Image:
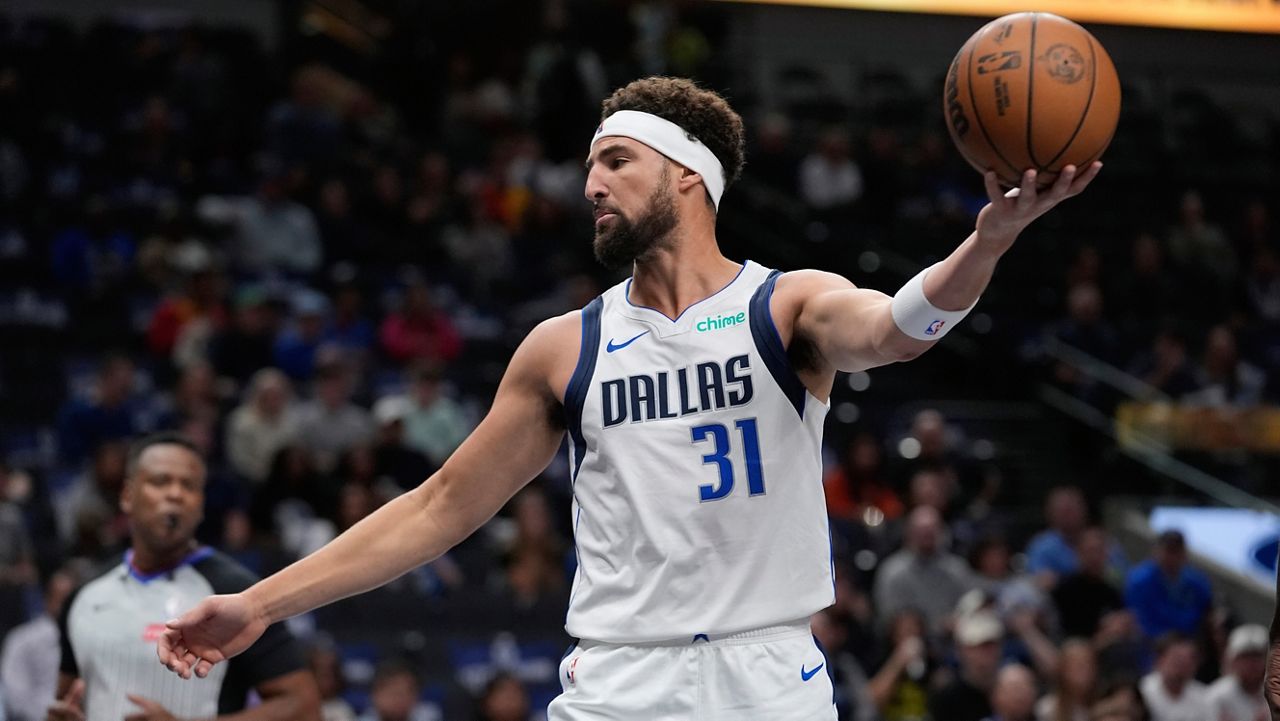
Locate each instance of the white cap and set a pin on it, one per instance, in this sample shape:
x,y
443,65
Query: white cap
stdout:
x,y
1249,638
391,409
978,628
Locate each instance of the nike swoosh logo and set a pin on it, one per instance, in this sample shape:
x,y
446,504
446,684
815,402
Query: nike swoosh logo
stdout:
x,y
806,675
611,346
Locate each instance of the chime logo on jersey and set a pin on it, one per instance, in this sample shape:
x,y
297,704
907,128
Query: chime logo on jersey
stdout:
x,y
720,321
676,393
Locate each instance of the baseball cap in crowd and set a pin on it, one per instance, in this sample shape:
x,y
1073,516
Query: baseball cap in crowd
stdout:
x,y
1249,638
390,409
978,628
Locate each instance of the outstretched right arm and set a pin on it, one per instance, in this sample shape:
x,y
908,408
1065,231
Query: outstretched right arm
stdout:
x,y
515,441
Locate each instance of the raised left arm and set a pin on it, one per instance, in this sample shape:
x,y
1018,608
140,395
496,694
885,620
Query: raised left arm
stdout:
x,y
854,328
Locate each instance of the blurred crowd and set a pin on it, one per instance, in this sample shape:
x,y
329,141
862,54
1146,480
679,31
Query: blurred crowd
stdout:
x,y
315,266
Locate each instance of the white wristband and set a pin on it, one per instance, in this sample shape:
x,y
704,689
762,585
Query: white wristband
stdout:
x,y
917,317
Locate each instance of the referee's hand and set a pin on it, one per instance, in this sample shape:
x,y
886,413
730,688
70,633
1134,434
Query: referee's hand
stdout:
x,y
68,707
218,628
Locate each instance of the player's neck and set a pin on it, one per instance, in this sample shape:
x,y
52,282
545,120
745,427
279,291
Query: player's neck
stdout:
x,y
148,560
674,279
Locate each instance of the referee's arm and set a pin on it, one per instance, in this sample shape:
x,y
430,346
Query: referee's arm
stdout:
x,y
515,441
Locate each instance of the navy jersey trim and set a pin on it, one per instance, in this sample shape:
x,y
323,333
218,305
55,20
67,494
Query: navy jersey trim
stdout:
x,y
626,295
769,344
575,396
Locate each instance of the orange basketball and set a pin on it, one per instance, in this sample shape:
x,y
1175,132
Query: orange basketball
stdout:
x,y
1031,90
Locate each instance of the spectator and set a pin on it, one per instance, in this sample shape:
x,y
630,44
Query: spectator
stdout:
x,y
29,661
111,413
298,343
1073,685
1014,696
1225,379
1051,554
394,696
1165,594
261,426
87,511
271,233
1238,695
967,696
183,323
1122,649
437,425
900,688
1171,691
1146,290
418,330
195,396
857,486
348,328
504,699
1085,596
392,457
17,552
829,178
1119,700
1086,328
330,424
852,698
1200,248
923,572
1166,368
247,345
326,666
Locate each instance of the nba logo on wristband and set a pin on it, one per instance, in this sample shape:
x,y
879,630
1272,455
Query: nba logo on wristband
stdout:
x,y
934,327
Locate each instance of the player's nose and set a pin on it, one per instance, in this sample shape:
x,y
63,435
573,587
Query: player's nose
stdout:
x,y
595,188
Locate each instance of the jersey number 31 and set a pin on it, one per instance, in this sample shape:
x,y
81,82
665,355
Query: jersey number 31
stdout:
x,y
719,435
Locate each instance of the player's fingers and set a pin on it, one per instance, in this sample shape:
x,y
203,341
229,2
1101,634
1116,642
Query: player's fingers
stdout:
x,y
1058,191
1027,190
1083,179
190,659
994,194
204,667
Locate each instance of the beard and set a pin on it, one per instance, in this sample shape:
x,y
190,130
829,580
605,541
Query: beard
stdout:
x,y
621,241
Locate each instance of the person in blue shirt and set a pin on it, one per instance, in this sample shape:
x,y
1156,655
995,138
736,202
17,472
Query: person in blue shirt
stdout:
x,y
1051,554
1165,594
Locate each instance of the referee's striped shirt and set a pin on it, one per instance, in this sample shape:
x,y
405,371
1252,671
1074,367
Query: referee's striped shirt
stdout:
x,y
109,629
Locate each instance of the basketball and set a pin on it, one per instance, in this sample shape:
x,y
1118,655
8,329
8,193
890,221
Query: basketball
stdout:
x,y
1031,90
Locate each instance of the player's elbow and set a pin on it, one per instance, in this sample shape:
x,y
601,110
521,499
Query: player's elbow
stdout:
x,y
901,350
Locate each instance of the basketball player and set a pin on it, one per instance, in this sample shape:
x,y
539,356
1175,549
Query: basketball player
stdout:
x,y
109,626
693,395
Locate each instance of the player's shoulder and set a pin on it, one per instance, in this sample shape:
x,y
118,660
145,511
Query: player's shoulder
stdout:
x,y
223,573
808,281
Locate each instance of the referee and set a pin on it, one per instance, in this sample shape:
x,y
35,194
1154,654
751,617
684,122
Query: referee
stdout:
x,y
110,625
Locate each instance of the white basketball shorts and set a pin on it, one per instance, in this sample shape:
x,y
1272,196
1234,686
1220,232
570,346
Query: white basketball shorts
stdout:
x,y
770,674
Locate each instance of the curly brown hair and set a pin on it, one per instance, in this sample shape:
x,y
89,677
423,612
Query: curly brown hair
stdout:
x,y
703,113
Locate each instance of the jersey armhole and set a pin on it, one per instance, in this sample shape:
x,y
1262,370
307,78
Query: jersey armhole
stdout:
x,y
575,395
769,344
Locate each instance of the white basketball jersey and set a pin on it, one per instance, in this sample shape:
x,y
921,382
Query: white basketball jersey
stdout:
x,y
695,452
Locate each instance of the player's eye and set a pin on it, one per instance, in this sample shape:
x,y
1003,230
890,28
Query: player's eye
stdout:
x,y
616,163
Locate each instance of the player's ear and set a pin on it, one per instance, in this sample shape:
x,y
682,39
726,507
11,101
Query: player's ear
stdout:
x,y
687,178
126,495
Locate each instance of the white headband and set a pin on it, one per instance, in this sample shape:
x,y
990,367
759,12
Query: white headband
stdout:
x,y
672,141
